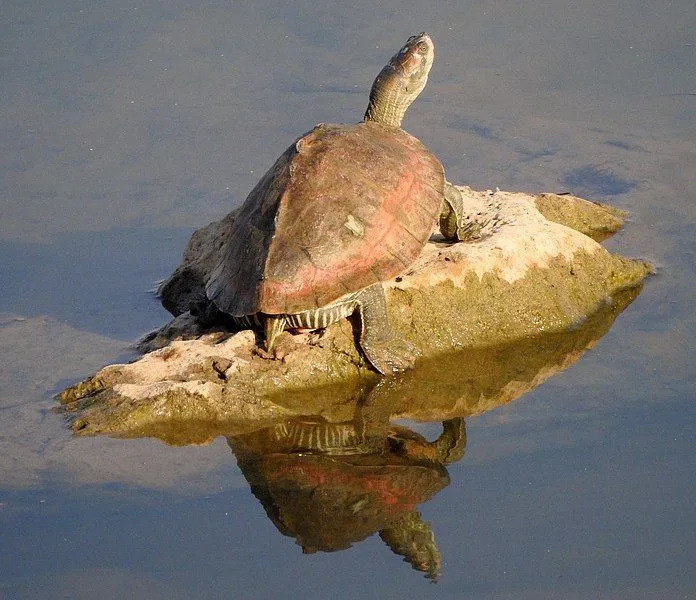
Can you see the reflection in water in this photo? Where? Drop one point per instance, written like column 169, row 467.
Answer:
column 329, row 485
column 332, row 480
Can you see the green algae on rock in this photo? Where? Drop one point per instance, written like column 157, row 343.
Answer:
column 596, row 220
column 521, row 276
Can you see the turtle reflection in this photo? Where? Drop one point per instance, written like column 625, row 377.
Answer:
column 329, row 485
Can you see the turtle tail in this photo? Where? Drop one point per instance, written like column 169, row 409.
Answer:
column 273, row 326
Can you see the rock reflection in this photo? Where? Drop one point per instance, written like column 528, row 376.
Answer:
column 329, row 485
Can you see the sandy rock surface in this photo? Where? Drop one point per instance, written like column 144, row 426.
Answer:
column 530, row 268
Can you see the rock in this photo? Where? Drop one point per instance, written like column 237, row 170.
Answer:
column 521, row 277
column 186, row 285
column 598, row 221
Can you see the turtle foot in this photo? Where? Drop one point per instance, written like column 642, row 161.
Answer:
column 391, row 356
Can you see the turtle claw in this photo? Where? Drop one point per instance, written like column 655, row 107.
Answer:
column 392, row 355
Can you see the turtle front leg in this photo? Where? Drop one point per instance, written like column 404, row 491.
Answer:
column 455, row 225
column 385, row 351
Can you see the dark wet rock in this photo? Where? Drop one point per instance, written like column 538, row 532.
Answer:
column 186, row 286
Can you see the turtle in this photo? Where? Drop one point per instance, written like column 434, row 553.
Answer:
column 345, row 208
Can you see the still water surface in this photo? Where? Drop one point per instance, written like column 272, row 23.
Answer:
column 126, row 125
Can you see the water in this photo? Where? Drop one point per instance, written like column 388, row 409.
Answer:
column 124, row 126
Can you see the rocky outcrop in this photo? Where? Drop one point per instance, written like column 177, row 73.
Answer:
column 530, row 271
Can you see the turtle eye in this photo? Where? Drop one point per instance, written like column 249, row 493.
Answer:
column 422, row 48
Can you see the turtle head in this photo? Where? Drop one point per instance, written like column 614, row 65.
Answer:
column 414, row 60
column 400, row 81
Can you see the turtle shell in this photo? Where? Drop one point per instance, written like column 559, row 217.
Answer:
column 344, row 207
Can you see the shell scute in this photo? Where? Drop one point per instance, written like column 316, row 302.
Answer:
column 344, row 207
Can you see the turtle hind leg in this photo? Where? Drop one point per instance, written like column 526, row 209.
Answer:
column 385, row 351
column 273, row 326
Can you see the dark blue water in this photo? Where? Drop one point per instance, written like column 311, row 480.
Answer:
column 125, row 126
